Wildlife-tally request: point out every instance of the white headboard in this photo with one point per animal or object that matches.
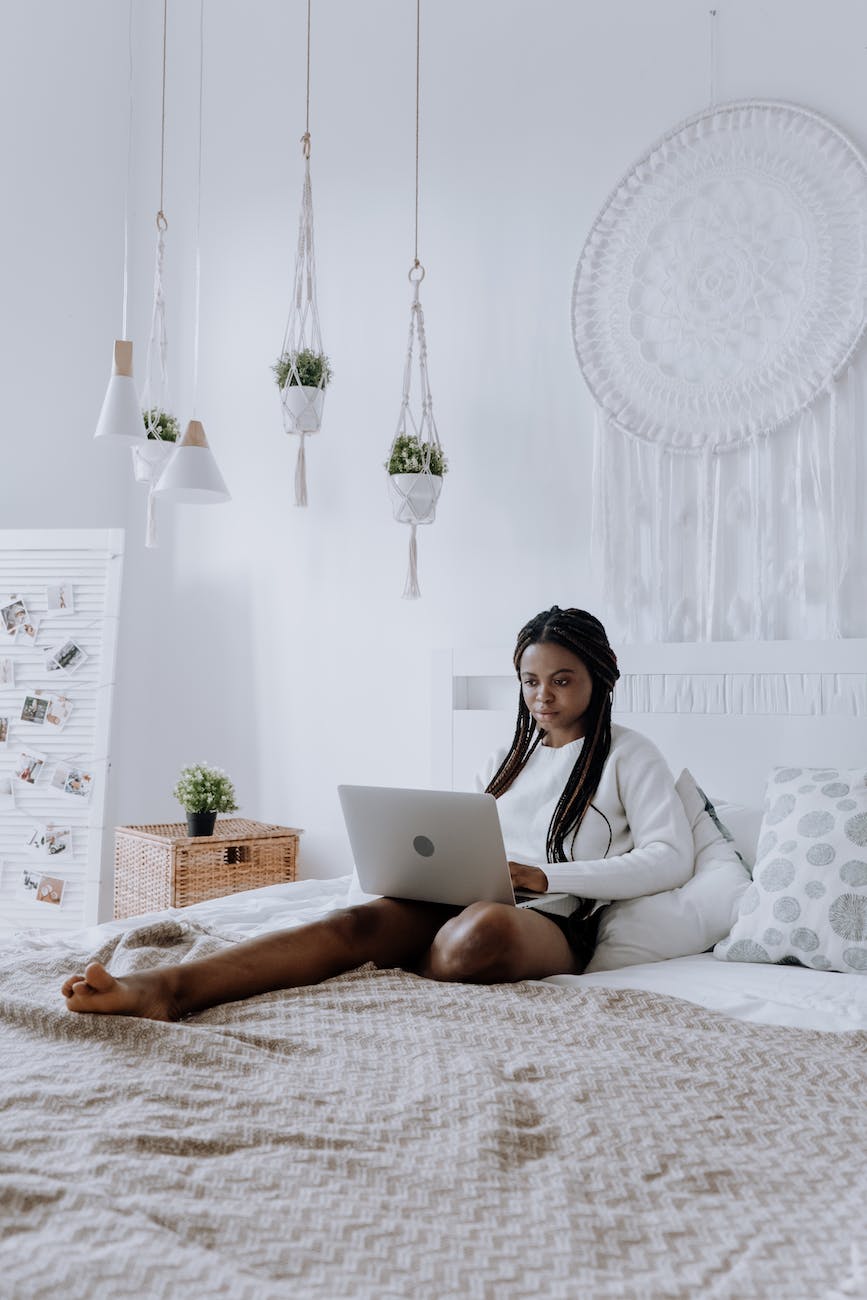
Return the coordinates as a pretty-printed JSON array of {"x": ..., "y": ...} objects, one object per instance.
[{"x": 728, "y": 710}]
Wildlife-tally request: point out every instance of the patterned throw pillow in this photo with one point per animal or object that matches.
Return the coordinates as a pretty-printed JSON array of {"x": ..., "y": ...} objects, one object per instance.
[{"x": 807, "y": 904}]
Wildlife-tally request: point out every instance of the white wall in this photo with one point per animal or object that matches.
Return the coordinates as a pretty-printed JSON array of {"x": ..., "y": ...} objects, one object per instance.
[{"x": 270, "y": 640}]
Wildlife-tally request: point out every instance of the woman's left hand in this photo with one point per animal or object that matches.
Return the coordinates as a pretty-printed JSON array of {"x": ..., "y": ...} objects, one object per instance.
[{"x": 528, "y": 877}]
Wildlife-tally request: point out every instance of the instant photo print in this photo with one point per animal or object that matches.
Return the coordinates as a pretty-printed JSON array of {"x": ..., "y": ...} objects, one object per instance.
[
  {"x": 72, "y": 780},
  {"x": 58, "y": 599},
  {"x": 13, "y": 616},
  {"x": 49, "y": 889},
  {"x": 29, "y": 767},
  {"x": 7, "y": 672},
  {"x": 67, "y": 658},
  {"x": 59, "y": 711},
  {"x": 7, "y": 794},
  {"x": 28, "y": 883},
  {"x": 4, "y": 731},
  {"x": 35, "y": 709}
]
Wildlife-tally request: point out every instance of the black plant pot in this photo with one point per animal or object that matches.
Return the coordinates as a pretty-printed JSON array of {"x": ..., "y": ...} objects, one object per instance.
[{"x": 201, "y": 823}]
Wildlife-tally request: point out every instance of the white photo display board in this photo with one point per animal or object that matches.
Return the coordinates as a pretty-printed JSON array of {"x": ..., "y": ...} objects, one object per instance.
[{"x": 59, "y": 604}]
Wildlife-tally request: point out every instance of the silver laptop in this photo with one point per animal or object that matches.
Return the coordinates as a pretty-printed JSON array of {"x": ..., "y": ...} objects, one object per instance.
[{"x": 437, "y": 846}]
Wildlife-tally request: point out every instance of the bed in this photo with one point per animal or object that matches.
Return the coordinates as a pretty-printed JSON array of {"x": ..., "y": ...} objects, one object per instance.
[{"x": 678, "y": 1128}]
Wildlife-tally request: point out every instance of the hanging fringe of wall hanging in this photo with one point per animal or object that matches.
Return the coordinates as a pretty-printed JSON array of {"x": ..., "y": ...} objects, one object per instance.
[{"x": 303, "y": 371}]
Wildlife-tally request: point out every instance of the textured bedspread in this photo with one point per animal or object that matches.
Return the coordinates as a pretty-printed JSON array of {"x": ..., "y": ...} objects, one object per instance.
[{"x": 383, "y": 1136}]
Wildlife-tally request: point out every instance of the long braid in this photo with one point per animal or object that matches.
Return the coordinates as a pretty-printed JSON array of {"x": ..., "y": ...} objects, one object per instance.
[{"x": 584, "y": 636}]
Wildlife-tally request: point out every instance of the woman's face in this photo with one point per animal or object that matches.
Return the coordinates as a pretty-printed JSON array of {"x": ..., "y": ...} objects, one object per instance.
[{"x": 557, "y": 689}]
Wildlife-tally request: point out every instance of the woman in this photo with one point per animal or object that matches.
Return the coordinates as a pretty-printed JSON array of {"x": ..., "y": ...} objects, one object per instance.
[{"x": 595, "y": 803}]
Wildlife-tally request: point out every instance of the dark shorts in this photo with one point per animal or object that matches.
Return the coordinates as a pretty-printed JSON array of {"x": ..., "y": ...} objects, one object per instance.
[{"x": 580, "y": 931}]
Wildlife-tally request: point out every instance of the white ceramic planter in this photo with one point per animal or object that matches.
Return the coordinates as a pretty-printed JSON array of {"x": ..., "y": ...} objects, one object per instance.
[
  {"x": 149, "y": 459},
  {"x": 414, "y": 497},
  {"x": 303, "y": 408}
]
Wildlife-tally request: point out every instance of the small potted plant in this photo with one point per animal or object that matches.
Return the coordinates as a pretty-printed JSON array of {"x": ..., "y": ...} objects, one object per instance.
[
  {"x": 302, "y": 376},
  {"x": 416, "y": 472},
  {"x": 202, "y": 792},
  {"x": 149, "y": 457}
]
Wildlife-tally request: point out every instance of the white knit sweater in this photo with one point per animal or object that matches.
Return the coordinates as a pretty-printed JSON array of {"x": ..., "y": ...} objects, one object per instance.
[{"x": 649, "y": 845}]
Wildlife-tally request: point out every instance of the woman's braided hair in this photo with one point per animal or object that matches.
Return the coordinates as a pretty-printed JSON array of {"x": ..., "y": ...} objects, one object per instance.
[{"x": 584, "y": 636}]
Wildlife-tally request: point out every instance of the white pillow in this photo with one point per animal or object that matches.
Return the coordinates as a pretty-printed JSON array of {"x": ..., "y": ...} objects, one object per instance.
[
  {"x": 743, "y": 824},
  {"x": 679, "y": 922},
  {"x": 808, "y": 900}
]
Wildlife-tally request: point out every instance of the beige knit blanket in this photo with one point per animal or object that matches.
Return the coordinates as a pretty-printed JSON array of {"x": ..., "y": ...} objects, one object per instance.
[{"x": 383, "y": 1136}]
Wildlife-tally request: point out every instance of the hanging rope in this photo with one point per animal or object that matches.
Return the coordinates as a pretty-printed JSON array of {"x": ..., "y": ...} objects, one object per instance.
[
  {"x": 126, "y": 192},
  {"x": 150, "y": 458},
  {"x": 198, "y": 291},
  {"x": 303, "y": 371},
  {"x": 416, "y": 463},
  {"x": 712, "y": 57}
]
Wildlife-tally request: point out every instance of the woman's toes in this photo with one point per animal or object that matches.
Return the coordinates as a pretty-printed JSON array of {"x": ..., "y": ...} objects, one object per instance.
[
  {"x": 66, "y": 991},
  {"x": 98, "y": 978}
]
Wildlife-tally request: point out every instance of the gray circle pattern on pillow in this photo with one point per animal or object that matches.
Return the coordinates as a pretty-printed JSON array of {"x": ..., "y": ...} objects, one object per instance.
[{"x": 808, "y": 899}]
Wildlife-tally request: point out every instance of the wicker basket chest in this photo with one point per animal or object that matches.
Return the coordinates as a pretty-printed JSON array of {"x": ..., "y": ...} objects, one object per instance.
[{"x": 160, "y": 866}]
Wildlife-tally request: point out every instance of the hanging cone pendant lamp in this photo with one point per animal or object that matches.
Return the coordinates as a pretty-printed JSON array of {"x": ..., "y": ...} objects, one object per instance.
[
  {"x": 416, "y": 463},
  {"x": 192, "y": 475},
  {"x": 120, "y": 417},
  {"x": 303, "y": 371}
]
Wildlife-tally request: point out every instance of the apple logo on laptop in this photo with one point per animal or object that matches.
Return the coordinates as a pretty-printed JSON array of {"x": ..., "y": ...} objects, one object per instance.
[{"x": 423, "y": 846}]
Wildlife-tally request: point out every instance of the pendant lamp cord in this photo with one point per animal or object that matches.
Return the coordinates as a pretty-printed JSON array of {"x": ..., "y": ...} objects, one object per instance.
[
  {"x": 712, "y": 57},
  {"x": 197, "y": 317},
  {"x": 416, "y": 262},
  {"x": 305, "y": 139},
  {"x": 128, "y": 182}
]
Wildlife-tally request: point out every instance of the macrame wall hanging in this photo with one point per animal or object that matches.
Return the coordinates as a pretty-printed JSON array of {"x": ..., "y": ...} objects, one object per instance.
[
  {"x": 416, "y": 463},
  {"x": 302, "y": 370},
  {"x": 191, "y": 475},
  {"x": 160, "y": 424},
  {"x": 120, "y": 417},
  {"x": 717, "y": 305}
]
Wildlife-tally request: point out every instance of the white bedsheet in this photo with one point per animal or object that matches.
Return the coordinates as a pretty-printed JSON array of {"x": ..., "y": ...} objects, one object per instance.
[{"x": 775, "y": 995}]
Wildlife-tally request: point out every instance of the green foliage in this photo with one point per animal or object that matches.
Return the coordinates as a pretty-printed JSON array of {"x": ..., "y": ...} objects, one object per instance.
[
  {"x": 408, "y": 456},
  {"x": 205, "y": 789},
  {"x": 161, "y": 426},
  {"x": 313, "y": 369}
]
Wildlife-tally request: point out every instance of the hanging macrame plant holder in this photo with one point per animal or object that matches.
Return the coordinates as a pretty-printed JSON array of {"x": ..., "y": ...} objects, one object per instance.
[
  {"x": 302, "y": 401},
  {"x": 150, "y": 458},
  {"x": 415, "y": 492},
  {"x": 718, "y": 302}
]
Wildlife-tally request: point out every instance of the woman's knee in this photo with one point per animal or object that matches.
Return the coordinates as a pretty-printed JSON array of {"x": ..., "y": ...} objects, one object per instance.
[
  {"x": 359, "y": 925},
  {"x": 474, "y": 946}
]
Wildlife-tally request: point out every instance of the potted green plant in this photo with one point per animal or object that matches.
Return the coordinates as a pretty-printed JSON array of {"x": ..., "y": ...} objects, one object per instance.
[
  {"x": 149, "y": 457},
  {"x": 302, "y": 376},
  {"x": 415, "y": 471},
  {"x": 202, "y": 792}
]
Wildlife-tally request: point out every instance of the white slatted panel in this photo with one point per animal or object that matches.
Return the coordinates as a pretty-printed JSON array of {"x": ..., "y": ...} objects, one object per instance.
[{"x": 90, "y": 562}]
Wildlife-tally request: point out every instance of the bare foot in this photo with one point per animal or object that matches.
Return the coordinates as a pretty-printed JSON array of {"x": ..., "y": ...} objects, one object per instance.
[{"x": 147, "y": 994}]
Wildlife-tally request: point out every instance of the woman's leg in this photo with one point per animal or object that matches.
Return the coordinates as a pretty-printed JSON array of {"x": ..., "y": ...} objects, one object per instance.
[
  {"x": 491, "y": 943},
  {"x": 388, "y": 932}
]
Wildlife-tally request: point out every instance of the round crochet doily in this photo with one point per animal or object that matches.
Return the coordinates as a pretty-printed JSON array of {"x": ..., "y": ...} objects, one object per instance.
[{"x": 723, "y": 285}]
